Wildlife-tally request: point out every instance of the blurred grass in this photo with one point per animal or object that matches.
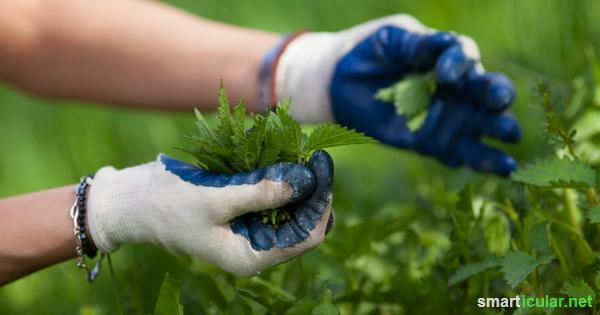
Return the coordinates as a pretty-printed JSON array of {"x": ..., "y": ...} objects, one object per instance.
[{"x": 49, "y": 143}]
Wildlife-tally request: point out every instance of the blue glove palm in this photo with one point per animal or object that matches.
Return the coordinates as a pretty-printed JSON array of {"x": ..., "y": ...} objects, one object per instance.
[{"x": 467, "y": 105}]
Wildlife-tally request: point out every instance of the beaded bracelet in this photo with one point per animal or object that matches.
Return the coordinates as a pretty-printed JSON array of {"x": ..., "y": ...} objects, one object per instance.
[{"x": 83, "y": 244}]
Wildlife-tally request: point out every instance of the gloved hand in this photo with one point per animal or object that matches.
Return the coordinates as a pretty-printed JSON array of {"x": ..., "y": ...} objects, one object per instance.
[
  {"x": 334, "y": 76},
  {"x": 211, "y": 216}
]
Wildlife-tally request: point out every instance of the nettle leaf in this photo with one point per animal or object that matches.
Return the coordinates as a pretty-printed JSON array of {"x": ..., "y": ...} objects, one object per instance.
[
  {"x": 168, "y": 298},
  {"x": 207, "y": 137},
  {"x": 469, "y": 270},
  {"x": 295, "y": 140},
  {"x": 593, "y": 214},
  {"x": 411, "y": 95},
  {"x": 326, "y": 136},
  {"x": 325, "y": 305},
  {"x": 577, "y": 288},
  {"x": 556, "y": 173},
  {"x": 517, "y": 265},
  {"x": 238, "y": 126},
  {"x": 225, "y": 128},
  {"x": 273, "y": 142},
  {"x": 248, "y": 152}
]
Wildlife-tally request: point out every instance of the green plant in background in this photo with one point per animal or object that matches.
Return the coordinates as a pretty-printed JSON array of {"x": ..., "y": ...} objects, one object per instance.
[
  {"x": 233, "y": 146},
  {"x": 552, "y": 247}
]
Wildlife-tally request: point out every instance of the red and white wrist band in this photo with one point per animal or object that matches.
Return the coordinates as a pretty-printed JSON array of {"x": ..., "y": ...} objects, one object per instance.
[{"x": 267, "y": 98}]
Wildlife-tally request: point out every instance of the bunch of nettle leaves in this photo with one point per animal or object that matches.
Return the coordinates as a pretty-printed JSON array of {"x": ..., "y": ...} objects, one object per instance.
[{"x": 238, "y": 144}]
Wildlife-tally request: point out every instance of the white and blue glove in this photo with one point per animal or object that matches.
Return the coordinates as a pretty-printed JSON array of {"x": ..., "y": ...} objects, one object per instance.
[
  {"x": 335, "y": 76},
  {"x": 214, "y": 217}
]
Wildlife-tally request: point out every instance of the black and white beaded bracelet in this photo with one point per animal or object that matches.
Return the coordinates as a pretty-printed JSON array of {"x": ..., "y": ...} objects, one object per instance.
[{"x": 83, "y": 243}]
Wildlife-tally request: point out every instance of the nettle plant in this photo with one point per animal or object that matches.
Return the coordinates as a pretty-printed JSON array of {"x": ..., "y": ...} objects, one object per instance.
[
  {"x": 238, "y": 144},
  {"x": 543, "y": 237},
  {"x": 410, "y": 97}
]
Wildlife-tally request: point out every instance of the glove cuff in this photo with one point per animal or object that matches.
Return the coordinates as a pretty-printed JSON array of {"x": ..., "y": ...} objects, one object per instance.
[
  {"x": 116, "y": 206},
  {"x": 303, "y": 73},
  {"x": 266, "y": 78},
  {"x": 99, "y": 214}
]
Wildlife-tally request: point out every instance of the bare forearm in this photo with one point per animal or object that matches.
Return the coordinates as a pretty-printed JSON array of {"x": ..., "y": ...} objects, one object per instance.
[
  {"x": 35, "y": 232},
  {"x": 127, "y": 52}
]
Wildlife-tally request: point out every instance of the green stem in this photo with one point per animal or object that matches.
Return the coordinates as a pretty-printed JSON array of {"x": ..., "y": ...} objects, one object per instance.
[
  {"x": 558, "y": 252},
  {"x": 592, "y": 197},
  {"x": 570, "y": 202},
  {"x": 114, "y": 285}
]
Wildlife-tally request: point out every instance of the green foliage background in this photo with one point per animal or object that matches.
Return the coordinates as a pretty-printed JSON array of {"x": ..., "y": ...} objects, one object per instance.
[{"x": 392, "y": 231}]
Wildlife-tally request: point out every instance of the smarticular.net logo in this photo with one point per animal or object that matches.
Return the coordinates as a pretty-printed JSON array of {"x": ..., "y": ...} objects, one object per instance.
[{"x": 525, "y": 301}]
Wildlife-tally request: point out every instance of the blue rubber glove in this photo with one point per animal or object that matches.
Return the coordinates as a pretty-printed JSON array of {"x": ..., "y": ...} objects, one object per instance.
[
  {"x": 211, "y": 216},
  {"x": 335, "y": 76}
]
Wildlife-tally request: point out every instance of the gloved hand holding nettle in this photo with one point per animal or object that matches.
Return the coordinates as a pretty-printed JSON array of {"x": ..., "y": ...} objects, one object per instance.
[
  {"x": 335, "y": 77},
  {"x": 192, "y": 211},
  {"x": 228, "y": 209}
]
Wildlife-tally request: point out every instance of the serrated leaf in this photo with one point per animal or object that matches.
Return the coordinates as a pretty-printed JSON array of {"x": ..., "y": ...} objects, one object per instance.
[
  {"x": 248, "y": 152},
  {"x": 577, "y": 288},
  {"x": 295, "y": 140},
  {"x": 273, "y": 141},
  {"x": 325, "y": 305},
  {"x": 326, "y": 136},
  {"x": 556, "y": 173},
  {"x": 517, "y": 265},
  {"x": 411, "y": 95},
  {"x": 593, "y": 214},
  {"x": 239, "y": 136},
  {"x": 469, "y": 270},
  {"x": 208, "y": 139},
  {"x": 225, "y": 127},
  {"x": 168, "y": 298}
]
